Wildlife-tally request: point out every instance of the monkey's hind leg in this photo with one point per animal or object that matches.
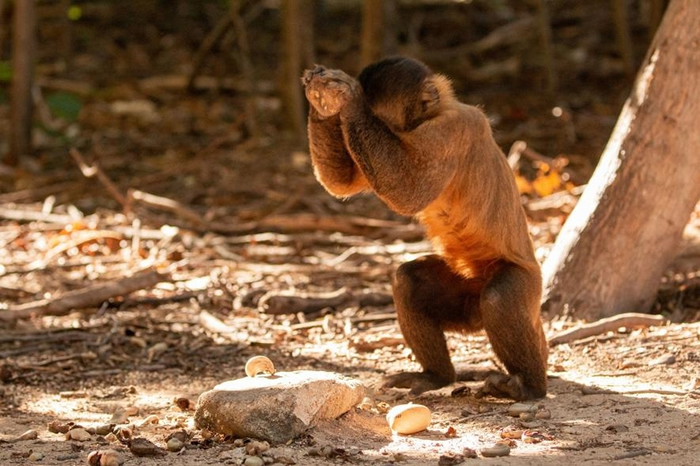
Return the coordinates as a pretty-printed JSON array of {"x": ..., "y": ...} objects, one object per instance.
[
  {"x": 511, "y": 315},
  {"x": 430, "y": 299}
]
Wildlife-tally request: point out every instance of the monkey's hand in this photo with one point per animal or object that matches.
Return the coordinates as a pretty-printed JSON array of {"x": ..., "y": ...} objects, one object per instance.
[{"x": 329, "y": 90}]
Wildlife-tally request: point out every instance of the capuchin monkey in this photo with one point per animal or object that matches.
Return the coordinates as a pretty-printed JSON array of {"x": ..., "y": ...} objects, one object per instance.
[{"x": 398, "y": 131}]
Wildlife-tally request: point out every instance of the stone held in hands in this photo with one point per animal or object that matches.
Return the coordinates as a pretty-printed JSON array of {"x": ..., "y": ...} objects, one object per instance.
[{"x": 276, "y": 408}]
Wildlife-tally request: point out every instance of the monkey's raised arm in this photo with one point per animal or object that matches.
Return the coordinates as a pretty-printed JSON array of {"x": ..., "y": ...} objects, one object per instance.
[
  {"x": 407, "y": 169},
  {"x": 333, "y": 166},
  {"x": 327, "y": 91}
]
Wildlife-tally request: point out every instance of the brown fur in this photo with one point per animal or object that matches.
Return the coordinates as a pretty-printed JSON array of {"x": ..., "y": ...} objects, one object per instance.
[{"x": 401, "y": 133}]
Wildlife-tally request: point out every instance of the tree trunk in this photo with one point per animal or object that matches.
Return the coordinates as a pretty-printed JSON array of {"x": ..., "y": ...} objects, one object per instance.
[
  {"x": 23, "y": 53},
  {"x": 625, "y": 230},
  {"x": 377, "y": 30},
  {"x": 297, "y": 17}
]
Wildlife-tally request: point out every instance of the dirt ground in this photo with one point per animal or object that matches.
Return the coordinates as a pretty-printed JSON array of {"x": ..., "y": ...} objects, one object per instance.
[
  {"x": 243, "y": 253},
  {"x": 629, "y": 397}
]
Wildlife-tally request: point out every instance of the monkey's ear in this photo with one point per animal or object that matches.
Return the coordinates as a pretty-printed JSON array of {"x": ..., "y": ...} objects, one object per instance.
[{"x": 430, "y": 95}]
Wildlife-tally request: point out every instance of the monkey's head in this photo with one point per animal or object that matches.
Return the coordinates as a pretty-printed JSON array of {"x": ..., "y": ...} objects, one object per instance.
[{"x": 404, "y": 92}]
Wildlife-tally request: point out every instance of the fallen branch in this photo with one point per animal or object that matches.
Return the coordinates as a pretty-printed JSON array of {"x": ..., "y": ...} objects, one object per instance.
[
  {"x": 347, "y": 224},
  {"x": 629, "y": 320},
  {"x": 367, "y": 344},
  {"x": 36, "y": 216},
  {"x": 86, "y": 297},
  {"x": 96, "y": 171},
  {"x": 275, "y": 303},
  {"x": 586, "y": 390}
]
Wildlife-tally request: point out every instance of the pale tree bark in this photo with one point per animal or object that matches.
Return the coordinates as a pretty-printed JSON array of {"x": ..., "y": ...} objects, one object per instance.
[
  {"x": 23, "y": 55},
  {"x": 625, "y": 230}
]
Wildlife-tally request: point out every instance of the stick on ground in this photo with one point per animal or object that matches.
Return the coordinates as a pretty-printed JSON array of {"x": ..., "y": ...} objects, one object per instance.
[
  {"x": 629, "y": 320},
  {"x": 86, "y": 297}
]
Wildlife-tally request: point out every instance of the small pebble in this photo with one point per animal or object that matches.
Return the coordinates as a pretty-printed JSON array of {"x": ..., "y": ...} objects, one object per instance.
[
  {"x": 543, "y": 414},
  {"x": 663, "y": 360},
  {"x": 518, "y": 408},
  {"x": 103, "y": 429},
  {"x": 104, "y": 458},
  {"x": 449, "y": 460},
  {"x": 151, "y": 420},
  {"x": 498, "y": 449},
  {"x": 255, "y": 447},
  {"x": 28, "y": 435},
  {"x": 140, "y": 446},
  {"x": 617, "y": 428},
  {"x": 532, "y": 436},
  {"x": 175, "y": 444},
  {"x": 253, "y": 461},
  {"x": 79, "y": 434},
  {"x": 512, "y": 432},
  {"x": 36, "y": 456},
  {"x": 58, "y": 427}
]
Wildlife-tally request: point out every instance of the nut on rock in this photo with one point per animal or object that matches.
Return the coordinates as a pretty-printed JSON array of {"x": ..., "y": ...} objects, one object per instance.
[{"x": 259, "y": 365}]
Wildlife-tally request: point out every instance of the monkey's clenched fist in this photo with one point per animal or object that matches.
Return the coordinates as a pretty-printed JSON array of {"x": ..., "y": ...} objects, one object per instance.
[{"x": 328, "y": 90}]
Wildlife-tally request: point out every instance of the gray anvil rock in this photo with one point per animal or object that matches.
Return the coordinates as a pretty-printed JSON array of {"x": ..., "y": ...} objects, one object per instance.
[{"x": 276, "y": 408}]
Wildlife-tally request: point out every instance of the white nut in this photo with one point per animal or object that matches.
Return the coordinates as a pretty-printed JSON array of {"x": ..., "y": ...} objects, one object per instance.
[
  {"x": 259, "y": 365},
  {"x": 408, "y": 419}
]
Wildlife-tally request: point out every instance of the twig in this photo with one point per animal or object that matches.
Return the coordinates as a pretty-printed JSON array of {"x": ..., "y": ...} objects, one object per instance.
[
  {"x": 95, "y": 170},
  {"x": 85, "y": 297},
  {"x": 34, "y": 216},
  {"x": 641, "y": 391},
  {"x": 632, "y": 454},
  {"x": 629, "y": 320},
  {"x": 364, "y": 344},
  {"x": 165, "y": 203},
  {"x": 215, "y": 325}
]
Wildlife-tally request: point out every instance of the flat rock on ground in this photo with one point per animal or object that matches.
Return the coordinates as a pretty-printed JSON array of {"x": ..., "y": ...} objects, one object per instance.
[{"x": 276, "y": 408}]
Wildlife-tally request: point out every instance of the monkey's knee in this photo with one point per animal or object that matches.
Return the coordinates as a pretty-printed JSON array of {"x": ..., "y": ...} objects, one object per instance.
[{"x": 417, "y": 273}]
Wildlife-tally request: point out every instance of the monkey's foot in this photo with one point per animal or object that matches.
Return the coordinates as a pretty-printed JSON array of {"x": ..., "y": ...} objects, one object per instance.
[
  {"x": 328, "y": 90},
  {"x": 501, "y": 385},
  {"x": 418, "y": 382}
]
